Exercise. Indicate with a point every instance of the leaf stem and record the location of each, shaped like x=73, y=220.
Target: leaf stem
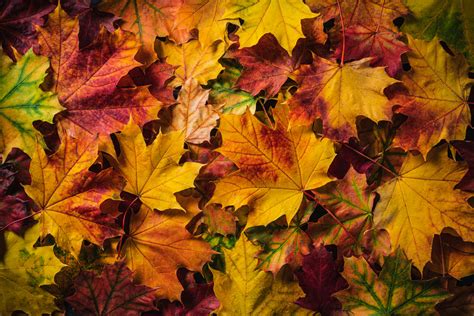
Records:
x=371, y=160
x=18, y=220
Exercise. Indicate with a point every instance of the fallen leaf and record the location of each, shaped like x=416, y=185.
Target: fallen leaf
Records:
x=382, y=45
x=68, y=196
x=22, y=102
x=319, y=278
x=327, y=90
x=436, y=102
x=266, y=66
x=86, y=80
x=392, y=291
x=152, y=172
x=276, y=165
x=420, y=201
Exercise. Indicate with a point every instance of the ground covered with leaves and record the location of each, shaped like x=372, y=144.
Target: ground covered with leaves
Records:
x=238, y=157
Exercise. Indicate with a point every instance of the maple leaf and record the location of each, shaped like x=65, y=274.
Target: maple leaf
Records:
x=368, y=30
x=276, y=165
x=205, y=16
x=17, y=24
x=22, y=101
x=86, y=80
x=223, y=92
x=157, y=245
x=152, y=172
x=436, y=101
x=23, y=270
x=319, y=278
x=327, y=90
x=350, y=202
x=110, y=293
x=193, y=114
x=267, y=16
x=244, y=290
x=283, y=244
x=147, y=19
x=380, y=44
x=391, y=292
x=68, y=196
x=266, y=66
x=450, y=255
x=421, y=201
x=445, y=19
x=193, y=60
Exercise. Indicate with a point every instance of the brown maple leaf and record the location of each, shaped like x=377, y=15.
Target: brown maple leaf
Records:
x=266, y=66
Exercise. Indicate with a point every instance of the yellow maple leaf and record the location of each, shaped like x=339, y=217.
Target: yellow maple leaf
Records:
x=158, y=244
x=152, y=172
x=23, y=269
x=193, y=60
x=68, y=195
x=276, y=165
x=421, y=201
x=282, y=18
x=246, y=290
x=22, y=101
x=339, y=94
x=437, y=99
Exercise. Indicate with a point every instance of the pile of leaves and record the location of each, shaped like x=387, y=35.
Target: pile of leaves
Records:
x=237, y=157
